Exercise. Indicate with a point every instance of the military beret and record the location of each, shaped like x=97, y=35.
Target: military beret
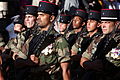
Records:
x=109, y=14
x=65, y=18
x=95, y=15
x=48, y=7
x=81, y=13
x=30, y=9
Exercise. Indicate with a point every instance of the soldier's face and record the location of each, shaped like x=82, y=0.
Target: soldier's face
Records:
x=107, y=26
x=43, y=19
x=91, y=25
x=29, y=20
x=62, y=27
x=17, y=27
x=77, y=22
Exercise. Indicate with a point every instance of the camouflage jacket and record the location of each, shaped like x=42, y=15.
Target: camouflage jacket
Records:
x=83, y=42
x=100, y=46
x=16, y=44
x=51, y=56
x=113, y=56
x=72, y=36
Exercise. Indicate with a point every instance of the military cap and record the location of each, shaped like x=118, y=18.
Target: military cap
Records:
x=94, y=15
x=30, y=9
x=65, y=18
x=109, y=14
x=81, y=13
x=18, y=20
x=48, y=7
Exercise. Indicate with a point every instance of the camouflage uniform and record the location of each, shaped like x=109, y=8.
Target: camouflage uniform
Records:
x=83, y=42
x=100, y=49
x=72, y=36
x=114, y=55
x=50, y=57
x=2, y=43
x=92, y=47
x=79, y=47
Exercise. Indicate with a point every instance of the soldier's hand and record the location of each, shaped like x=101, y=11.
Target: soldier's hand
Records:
x=34, y=58
x=76, y=57
x=14, y=55
x=97, y=65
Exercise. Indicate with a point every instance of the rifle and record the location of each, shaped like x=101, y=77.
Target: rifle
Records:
x=38, y=47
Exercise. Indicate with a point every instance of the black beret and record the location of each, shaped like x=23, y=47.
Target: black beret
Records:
x=109, y=14
x=81, y=13
x=30, y=9
x=65, y=18
x=95, y=15
x=47, y=7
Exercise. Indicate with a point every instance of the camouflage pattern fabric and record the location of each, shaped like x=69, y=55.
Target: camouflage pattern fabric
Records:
x=50, y=57
x=16, y=44
x=114, y=55
x=92, y=47
x=2, y=43
x=83, y=42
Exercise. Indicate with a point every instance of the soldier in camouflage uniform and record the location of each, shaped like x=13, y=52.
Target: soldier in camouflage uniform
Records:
x=94, y=59
x=14, y=45
x=28, y=24
x=93, y=30
x=46, y=52
x=78, y=23
x=85, y=39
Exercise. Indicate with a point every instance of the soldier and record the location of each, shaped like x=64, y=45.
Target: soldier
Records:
x=78, y=23
x=28, y=24
x=93, y=24
x=93, y=59
x=83, y=41
x=63, y=23
x=46, y=52
x=14, y=45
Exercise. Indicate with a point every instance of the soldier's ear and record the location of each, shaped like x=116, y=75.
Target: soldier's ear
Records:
x=52, y=18
x=117, y=23
x=83, y=23
x=99, y=24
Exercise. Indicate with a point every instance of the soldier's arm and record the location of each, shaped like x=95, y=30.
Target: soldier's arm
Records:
x=64, y=57
x=65, y=70
x=2, y=44
x=87, y=64
x=75, y=49
x=16, y=46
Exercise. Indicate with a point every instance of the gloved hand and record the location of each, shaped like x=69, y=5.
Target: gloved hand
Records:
x=93, y=65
